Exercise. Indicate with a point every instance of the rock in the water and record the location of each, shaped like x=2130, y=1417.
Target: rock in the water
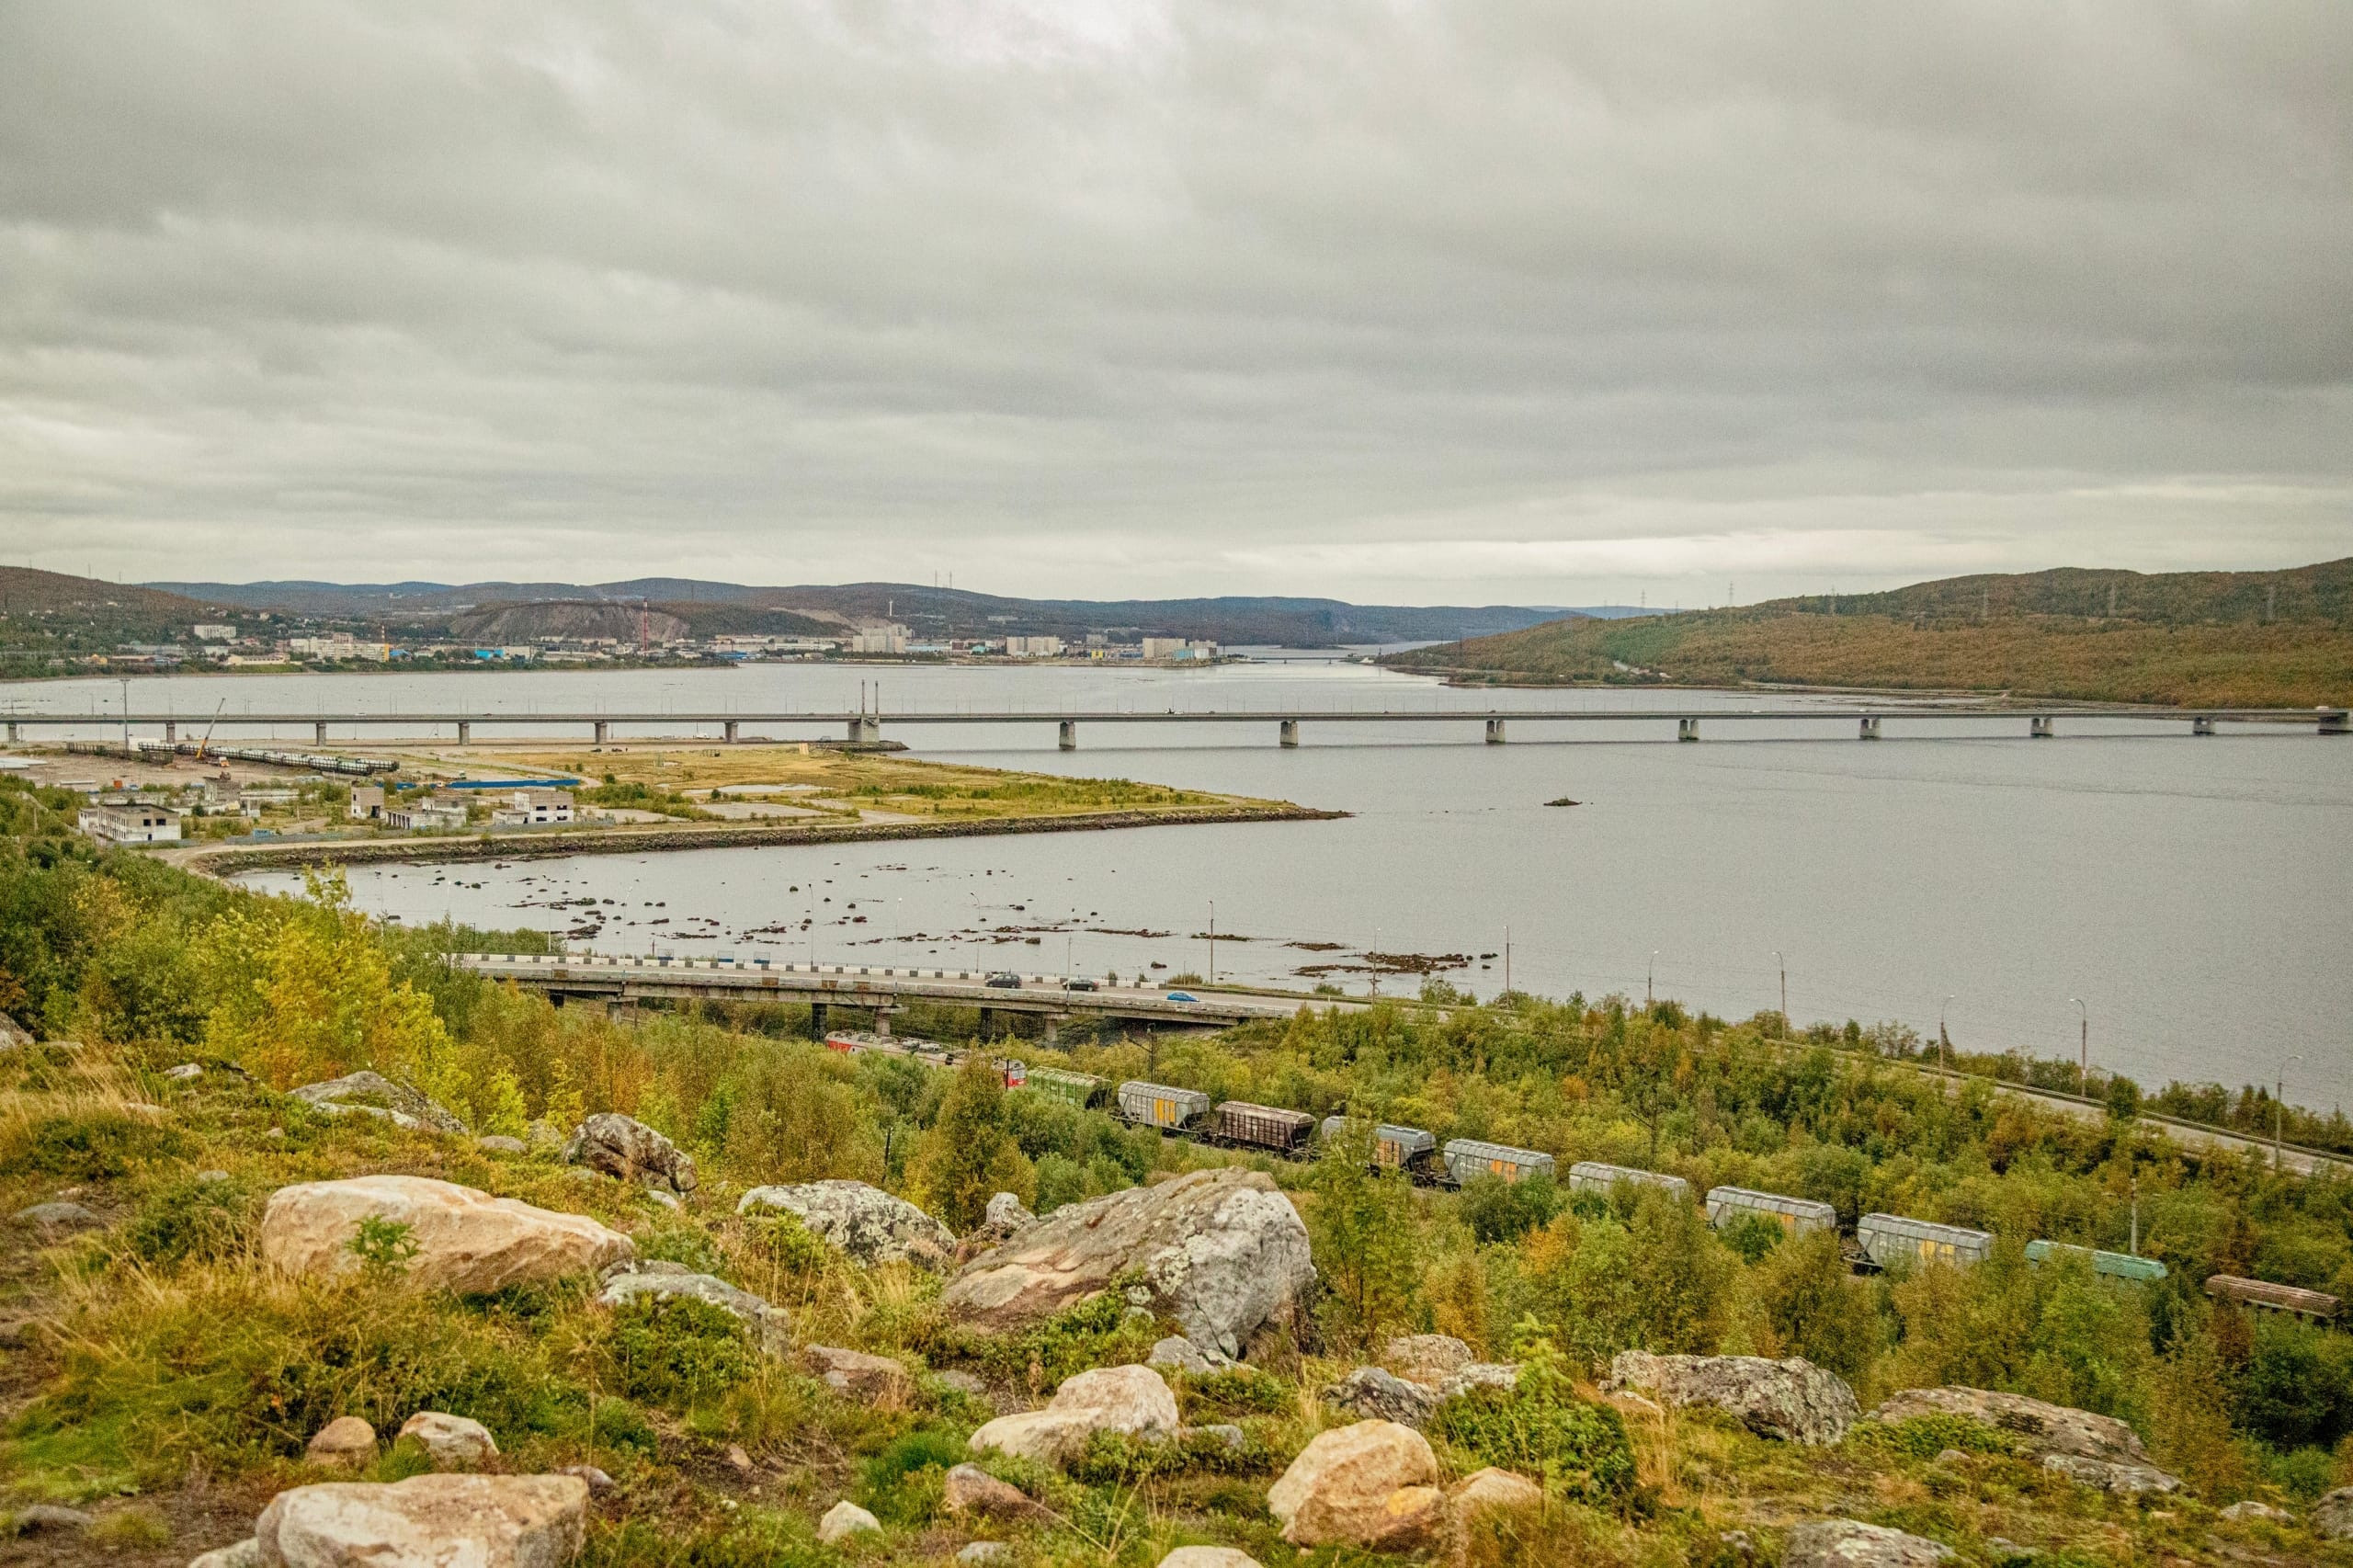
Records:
x=427, y=1521
x=246, y=1553
x=1220, y=1251
x=345, y=1443
x=48, y=1517
x=2106, y=1475
x=1427, y=1358
x=854, y=1374
x=2254, y=1510
x=1479, y=1375
x=453, y=1442
x=771, y=1329
x=500, y=1143
x=985, y=1554
x=1849, y=1543
x=1208, y=1557
x=1494, y=1494
x=373, y=1094
x=1371, y=1393
x=968, y=1488
x=1178, y=1354
x=864, y=1222
x=1792, y=1400
x=845, y=1519
x=61, y=1218
x=1134, y=1401
x=466, y=1240
x=2040, y=1428
x=1340, y=1489
x=625, y=1147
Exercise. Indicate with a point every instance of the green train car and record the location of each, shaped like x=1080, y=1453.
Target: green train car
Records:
x=1082, y=1089
x=2116, y=1264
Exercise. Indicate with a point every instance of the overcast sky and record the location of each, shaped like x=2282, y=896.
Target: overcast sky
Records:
x=1494, y=300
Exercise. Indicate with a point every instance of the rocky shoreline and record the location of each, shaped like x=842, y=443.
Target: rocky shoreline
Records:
x=230, y=862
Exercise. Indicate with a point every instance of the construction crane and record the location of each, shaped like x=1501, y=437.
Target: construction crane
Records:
x=206, y=743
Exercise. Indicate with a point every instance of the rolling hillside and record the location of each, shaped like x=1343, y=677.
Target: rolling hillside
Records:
x=46, y=615
x=2238, y=638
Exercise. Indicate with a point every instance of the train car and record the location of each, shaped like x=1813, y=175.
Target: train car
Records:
x=1082, y=1089
x=1889, y=1239
x=1592, y=1175
x=1796, y=1216
x=1408, y=1149
x=2317, y=1305
x=1247, y=1126
x=1158, y=1105
x=2115, y=1265
x=1469, y=1157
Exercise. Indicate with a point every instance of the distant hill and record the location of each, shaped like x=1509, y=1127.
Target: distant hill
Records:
x=1298, y=622
x=2234, y=638
x=45, y=614
x=565, y=617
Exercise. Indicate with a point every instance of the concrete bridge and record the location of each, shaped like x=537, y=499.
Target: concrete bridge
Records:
x=1870, y=721
x=624, y=981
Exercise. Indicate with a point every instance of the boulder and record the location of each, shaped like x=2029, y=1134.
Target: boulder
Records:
x=12, y=1034
x=970, y=1490
x=1219, y=1250
x=1134, y=1401
x=2332, y=1514
x=1178, y=1354
x=2106, y=1475
x=1792, y=1400
x=1492, y=1493
x=452, y=1442
x=61, y=1218
x=625, y=1147
x=1369, y=1394
x=854, y=1374
x=1427, y=1358
x=1479, y=1375
x=845, y=1519
x=2040, y=1428
x=1339, y=1490
x=344, y=1443
x=598, y=1481
x=467, y=1240
x=1849, y=1543
x=1224, y=1433
x=186, y=1072
x=1006, y=1213
x=1004, y=1219
x=42, y=1517
x=1208, y=1557
x=427, y=1521
x=985, y=1554
x=2237, y=1512
x=246, y=1553
x=373, y=1094
x=651, y=1281
x=864, y=1222
x=499, y=1144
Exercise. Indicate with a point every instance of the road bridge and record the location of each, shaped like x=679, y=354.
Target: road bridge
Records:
x=624, y=980
x=1869, y=721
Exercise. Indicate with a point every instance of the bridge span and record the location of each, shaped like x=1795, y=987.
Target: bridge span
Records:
x=625, y=981
x=1869, y=719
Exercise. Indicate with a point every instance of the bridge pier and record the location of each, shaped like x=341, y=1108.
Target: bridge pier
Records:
x=1495, y=731
x=988, y=1024
x=171, y=732
x=865, y=730
x=2201, y=726
x=1870, y=728
x=2335, y=721
x=1052, y=1033
x=729, y=730
x=319, y=733
x=1287, y=735
x=816, y=1020
x=604, y=732
x=2043, y=727
x=465, y=732
x=1068, y=740
x=1686, y=729
x=12, y=731
x=883, y=1021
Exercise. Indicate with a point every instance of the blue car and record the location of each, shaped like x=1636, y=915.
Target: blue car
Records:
x=1182, y=996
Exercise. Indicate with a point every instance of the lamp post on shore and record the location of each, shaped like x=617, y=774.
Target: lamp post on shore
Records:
x=2278, y=1109
x=1784, y=966
x=1944, y=1041
x=2083, y=1062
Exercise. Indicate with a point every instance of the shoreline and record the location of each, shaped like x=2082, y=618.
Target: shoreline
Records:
x=227, y=861
x=1468, y=679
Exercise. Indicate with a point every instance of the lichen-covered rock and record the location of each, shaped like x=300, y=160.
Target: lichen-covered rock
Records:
x=500, y=1143
x=1340, y=1489
x=1479, y=1375
x=344, y=1443
x=1492, y=1493
x=427, y=1521
x=13, y=1034
x=2039, y=1427
x=985, y=1554
x=972, y=1492
x=452, y=1442
x=625, y=1147
x=2332, y=1514
x=845, y=1519
x=1849, y=1543
x=1178, y=1354
x=1371, y=1393
x=2107, y=1475
x=1219, y=1250
x=1792, y=1400
x=1132, y=1401
x=38, y=1518
x=864, y=1222
x=246, y=1553
x=1006, y=1213
x=1427, y=1358
x=854, y=1374
x=466, y=1240
x=1208, y=1557
x=2251, y=1510
x=61, y=1218
x=373, y=1094
x=771, y=1329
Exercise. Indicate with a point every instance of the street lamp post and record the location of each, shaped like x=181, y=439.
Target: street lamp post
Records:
x=1944, y=1041
x=2083, y=1062
x=1784, y=966
x=2278, y=1109
x=1212, y=941
x=1650, y=979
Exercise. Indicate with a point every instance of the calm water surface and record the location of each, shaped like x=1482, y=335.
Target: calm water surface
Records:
x=2192, y=891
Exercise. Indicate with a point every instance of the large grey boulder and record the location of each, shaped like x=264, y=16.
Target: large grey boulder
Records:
x=373, y=1094
x=1132, y=1401
x=1427, y=1358
x=661, y=1281
x=2107, y=1475
x=625, y=1147
x=61, y=1217
x=13, y=1034
x=466, y=1240
x=1792, y=1400
x=452, y=1442
x=1219, y=1250
x=2332, y=1514
x=1850, y=1543
x=2098, y=1451
x=1178, y=1354
x=1372, y=1394
x=479, y=1521
x=864, y=1222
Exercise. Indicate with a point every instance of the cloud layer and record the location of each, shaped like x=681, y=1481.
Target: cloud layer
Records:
x=1493, y=299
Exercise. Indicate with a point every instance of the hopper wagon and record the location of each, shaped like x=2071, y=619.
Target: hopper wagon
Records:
x=1408, y=1149
x=2317, y=1305
x=1160, y=1105
x=1592, y=1175
x=1890, y=1239
x=1241, y=1125
x=1796, y=1216
x=2115, y=1265
x=1082, y=1089
x=1467, y=1158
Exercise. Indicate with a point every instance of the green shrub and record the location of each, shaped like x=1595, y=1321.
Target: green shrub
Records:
x=618, y=1423
x=901, y=1484
x=1112, y=1458
x=1751, y=1235
x=1095, y=1332
x=686, y=1245
x=1500, y=1211
x=1539, y=1427
x=1240, y=1391
x=675, y=1353
x=188, y=1220
x=100, y=1146
x=1926, y=1437
x=792, y=1245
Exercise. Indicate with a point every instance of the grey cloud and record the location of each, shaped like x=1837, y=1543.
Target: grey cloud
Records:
x=1528, y=300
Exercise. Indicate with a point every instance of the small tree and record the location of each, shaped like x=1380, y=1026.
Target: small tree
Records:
x=968, y=1156
x=1365, y=1232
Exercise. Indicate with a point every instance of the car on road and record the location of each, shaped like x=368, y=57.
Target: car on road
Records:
x=1182, y=996
x=1005, y=980
x=1080, y=984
